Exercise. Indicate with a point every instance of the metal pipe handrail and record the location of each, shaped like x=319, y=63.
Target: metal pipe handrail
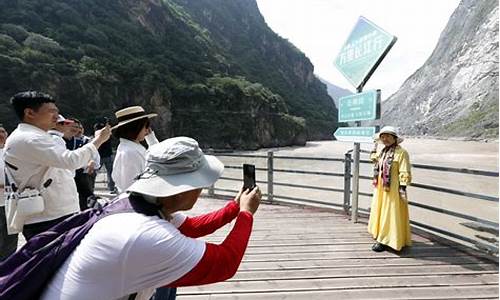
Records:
x=417, y=185
x=445, y=211
x=307, y=200
x=418, y=166
x=456, y=170
x=442, y=231
x=291, y=171
x=239, y=179
x=228, y=190
x=238, y=155
x=309, y=172
x=308, y=187
x=447, y=169
x=309, y=158
x=279, y=157
x=455, y=192
x=453, y=213
x=347, y=190
x=295, y=185
x=447, y=190
x=240, y=168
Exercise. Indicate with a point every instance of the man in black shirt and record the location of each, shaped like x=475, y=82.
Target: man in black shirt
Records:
x=84, y=177
x=106, y=154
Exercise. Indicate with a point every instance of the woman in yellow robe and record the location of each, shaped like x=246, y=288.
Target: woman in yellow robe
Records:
x=389, y=221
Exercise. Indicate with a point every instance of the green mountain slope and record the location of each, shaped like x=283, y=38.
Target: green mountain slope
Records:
x=213, y=70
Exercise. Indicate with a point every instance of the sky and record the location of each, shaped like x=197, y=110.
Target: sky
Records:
x=319, y=28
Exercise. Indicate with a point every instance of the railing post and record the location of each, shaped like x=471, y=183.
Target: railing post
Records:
x=270, y=176
x=347, y=182
x=355, y=183
x=211, y=191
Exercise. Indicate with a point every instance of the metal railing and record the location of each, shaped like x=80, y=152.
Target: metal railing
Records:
x=478, y=223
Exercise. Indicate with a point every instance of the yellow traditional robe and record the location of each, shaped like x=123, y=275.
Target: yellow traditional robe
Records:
x=389, y=221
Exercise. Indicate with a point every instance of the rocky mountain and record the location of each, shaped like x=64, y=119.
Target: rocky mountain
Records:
x=335, y=92
x=455, y=93
x=212, y=69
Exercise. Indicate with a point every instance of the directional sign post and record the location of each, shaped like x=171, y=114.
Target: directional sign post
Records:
x=361, y=54
x=359, y=107
x=355, y=134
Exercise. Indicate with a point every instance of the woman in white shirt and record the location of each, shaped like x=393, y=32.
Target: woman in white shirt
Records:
x=130, y=160
x=133, y=127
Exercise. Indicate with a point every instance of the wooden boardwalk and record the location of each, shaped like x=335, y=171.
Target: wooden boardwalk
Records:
x=313, y=253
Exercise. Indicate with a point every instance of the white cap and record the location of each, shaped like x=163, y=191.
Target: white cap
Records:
x=61, y=119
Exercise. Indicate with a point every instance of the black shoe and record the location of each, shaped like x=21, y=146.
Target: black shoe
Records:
x=378, y=247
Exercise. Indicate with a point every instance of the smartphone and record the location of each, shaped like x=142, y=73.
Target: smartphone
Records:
x=248, y=176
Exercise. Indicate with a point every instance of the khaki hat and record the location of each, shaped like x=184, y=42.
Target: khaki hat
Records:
x=131, y=114
x=389, y=130
x=174, y=166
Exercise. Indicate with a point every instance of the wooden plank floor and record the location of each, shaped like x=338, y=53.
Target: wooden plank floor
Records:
x=312, y=253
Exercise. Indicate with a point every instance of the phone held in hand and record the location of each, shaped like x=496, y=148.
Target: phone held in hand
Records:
x=248, y=176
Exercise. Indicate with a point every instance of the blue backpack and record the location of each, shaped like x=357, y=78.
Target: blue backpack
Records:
x=26, y=273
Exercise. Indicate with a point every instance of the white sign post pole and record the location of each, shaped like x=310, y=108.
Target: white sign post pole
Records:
x=355, y=183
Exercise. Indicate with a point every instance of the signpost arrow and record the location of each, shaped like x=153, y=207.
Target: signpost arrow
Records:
x=355, y=134
x=364, y=50
x=359, y=107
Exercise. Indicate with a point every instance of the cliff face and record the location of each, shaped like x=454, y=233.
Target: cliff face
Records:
x=211, y=69
x=455, y=93
x=335, y=92
x=253, y=50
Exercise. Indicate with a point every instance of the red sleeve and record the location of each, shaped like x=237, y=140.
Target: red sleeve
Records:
x=220, y=262
x=203, y=225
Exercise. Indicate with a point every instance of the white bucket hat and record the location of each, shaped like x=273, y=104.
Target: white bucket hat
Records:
x=174, y=166
x=389, y=130
x=131, y=114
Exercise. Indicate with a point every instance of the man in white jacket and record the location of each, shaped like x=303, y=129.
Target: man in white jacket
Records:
x=32, y=157
x=8, y=242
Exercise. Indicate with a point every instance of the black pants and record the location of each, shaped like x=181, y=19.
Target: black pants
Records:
x=8, y=242
x=30, y=230
x=85, y=187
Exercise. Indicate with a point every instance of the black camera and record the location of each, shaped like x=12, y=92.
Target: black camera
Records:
x=101, y=123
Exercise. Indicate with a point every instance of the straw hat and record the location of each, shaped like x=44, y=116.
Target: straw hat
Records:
x=389, y=130
x=174, y=166
x=131, y=114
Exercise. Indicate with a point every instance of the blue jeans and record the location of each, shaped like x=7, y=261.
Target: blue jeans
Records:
x=107, y=162
x=165, y=293
x=8, y=243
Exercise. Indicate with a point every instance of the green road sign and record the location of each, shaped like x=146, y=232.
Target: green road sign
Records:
x=355, y=134
x=359, y=107
x=365, y=48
